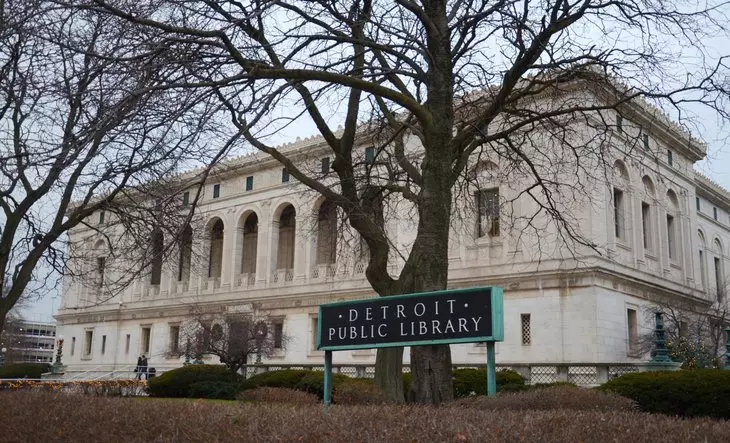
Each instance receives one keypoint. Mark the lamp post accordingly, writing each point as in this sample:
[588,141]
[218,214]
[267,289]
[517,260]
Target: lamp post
[57,367]
[2,356]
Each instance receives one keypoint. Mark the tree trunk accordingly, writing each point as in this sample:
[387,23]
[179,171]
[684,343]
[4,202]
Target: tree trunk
[432,377]
[389,373]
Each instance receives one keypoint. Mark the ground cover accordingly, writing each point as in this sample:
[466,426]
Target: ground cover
[85,418]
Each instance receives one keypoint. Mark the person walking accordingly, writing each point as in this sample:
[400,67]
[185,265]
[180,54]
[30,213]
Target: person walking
[144,366]
[138,369]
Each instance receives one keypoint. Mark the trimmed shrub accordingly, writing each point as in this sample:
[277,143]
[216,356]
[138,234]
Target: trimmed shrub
[313,382]
[695,393]
[358,391]
[551,398]
[287,378]
[24,370]
[176,382]
[277,395]
[470,381]
[213,389]
[553,385]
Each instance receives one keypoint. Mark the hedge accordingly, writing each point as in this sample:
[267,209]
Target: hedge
[286,378]
[692,393]
[176,382]
[24,370]
[214,389]
[313,382]
[469,381]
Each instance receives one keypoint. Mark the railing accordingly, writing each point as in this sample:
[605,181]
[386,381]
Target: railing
[246,280]
[582,374]
[324,271]
[282,275]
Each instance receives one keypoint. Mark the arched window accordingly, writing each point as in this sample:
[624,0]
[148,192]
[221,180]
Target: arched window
[157,241]
[719,271]
[620,188]
[672,230]
[100,265]
[250,241]
[326,233]
[646,213]
[186,252]
[703,265]
[287,227]
[215,263]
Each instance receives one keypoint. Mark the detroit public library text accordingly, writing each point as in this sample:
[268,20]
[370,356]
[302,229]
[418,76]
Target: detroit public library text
[411,321]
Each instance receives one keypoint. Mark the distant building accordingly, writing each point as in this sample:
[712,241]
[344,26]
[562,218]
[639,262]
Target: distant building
[29,342]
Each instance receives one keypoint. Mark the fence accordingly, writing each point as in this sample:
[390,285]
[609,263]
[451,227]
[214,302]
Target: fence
[582,374]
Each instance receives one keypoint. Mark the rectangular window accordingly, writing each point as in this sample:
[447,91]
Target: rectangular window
[633,330]
[703,271]
[369,154]
[279,334]
[88,339]
[174,339]
[714,213]
[671,240]
[146,332]
[618,212]
[645,139]
[619,123]
[697,203]
[216,191]
[126,344]
[670,157]
[249,183]
[325,165]
[718,279]
[103,344]
[683,329]
[100,268]
[488,212]
[646,224]
[284,175]
[102,215]
[186,198]
[73,345]
[526,330]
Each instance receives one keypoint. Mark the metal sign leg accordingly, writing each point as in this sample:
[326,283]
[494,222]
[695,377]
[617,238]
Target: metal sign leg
[491,370]
[327,379]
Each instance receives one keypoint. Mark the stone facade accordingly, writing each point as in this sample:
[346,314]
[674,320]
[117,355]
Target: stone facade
[661,233]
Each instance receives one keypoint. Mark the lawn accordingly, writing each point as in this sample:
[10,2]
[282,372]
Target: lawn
[41,416]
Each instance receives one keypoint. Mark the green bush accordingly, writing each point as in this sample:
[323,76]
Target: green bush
[176,382]
[470,381]
[696,393]
[24,370]
[287,378]
[213,389]
[358,391]
[554,384]
[313,382]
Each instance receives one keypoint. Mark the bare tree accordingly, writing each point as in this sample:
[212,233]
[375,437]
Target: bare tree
[234,337]
[87,127]
[695,332]
[440,84]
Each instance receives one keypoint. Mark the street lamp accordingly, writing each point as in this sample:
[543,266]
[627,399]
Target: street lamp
[2,355]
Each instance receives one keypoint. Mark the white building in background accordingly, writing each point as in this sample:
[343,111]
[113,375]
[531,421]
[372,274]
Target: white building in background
[272,247]
[29,341]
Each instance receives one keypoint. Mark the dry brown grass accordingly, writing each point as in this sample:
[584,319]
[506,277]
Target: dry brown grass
[91,419]
[558,397]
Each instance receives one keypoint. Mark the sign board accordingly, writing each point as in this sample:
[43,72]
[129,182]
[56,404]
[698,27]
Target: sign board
[442,317]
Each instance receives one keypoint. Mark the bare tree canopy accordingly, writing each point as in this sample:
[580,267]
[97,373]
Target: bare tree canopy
[234,337]
[441,83]
[86,127]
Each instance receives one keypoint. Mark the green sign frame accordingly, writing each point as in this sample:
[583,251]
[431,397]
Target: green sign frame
[497,307]
[497,330]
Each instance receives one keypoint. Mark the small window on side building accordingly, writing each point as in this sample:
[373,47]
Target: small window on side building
[325,166]
[249,183]
[526,329]
[284,175]
[216,190]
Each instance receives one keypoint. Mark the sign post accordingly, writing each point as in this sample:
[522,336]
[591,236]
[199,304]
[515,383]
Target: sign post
[472,315]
